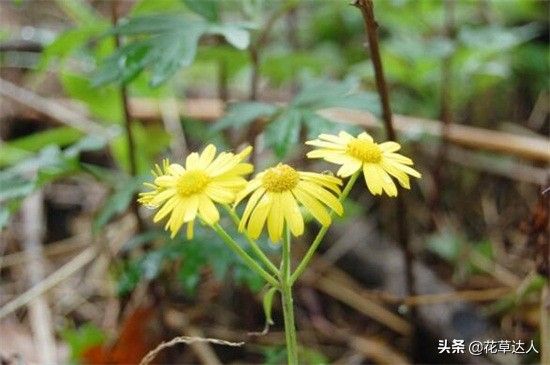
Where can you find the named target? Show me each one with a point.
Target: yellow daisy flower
(185, 192)
(378, 160)
(276, 193)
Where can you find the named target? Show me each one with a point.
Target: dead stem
(367, 10)
(127, 124)
(438, 174)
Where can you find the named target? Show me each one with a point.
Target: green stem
(230, 242)
(309, 254)
(257, 250)
(288, 305)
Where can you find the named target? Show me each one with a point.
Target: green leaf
(235, 34)
(283, 133)
(69, 42)
(320, 94)
(82, 338)
(242, 114)
(268, 304)
(209, 9)
(104, 103)
(167, 43)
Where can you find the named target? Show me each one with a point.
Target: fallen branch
(52, 108)
(51, 281)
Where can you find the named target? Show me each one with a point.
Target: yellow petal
(341, 159)
(162, 196)
(332, 138)
(390, 146)
(258, 216)
(387, 183)
(345, 136)
(349, 168)
(374, 182)
(190, 230)
(313, 206)
(327, 181)
(207, 210)
(220, 164)
(406, 169)
(365, 137)
(398, 158)
(176, 219)
(324, 196)
(321, 153)
(166, 208)
(292, 214)
(175, 169)
(395, 172)
(166, 181)
(191, 208)
(275, 220)
(325, 144)
(254, 198)
(207, 156)
(250, 187)
(219, 195)
(192, 161)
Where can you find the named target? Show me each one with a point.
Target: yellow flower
(378, 161)
(185, 192)
(275, 196)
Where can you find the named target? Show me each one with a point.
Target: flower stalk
(249, 261)
(319, 238)
(288, 303)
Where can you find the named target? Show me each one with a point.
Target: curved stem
(249, 261)
(257, 250)
(317, 241)
(288, 305)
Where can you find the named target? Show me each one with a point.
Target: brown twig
(367, 10)
(446, 115)
(186, 340)
(127, 124)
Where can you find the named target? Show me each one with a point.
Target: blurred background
(87, 108)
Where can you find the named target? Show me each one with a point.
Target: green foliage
(454, 248)
(267, 302)
(119, 201)
(104, 103)
(208, 9)
(23, 147)
(532, 285)
(287, 122)
(82, 338)
(30, 174)
(206, 249)
(166, 43)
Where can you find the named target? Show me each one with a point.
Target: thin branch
(366, 7)
(127, 124)
(438, 175)
(186, 340)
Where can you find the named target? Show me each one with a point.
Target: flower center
(280, 178)
(192, 182)
(365, 151)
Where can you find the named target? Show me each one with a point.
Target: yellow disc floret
(364, 150)
(280, 178)
(192, 182)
